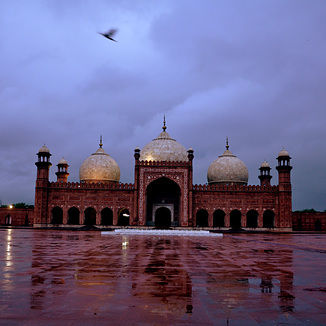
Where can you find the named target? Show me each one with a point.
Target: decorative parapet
(164, 163)
(91, 185)
(223, 187)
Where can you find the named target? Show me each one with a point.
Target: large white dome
(227, 169)
(99, 167)
(163, 148)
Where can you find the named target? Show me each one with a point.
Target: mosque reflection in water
(159, 276)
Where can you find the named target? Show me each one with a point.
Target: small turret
(43, 164)
(265, 176)
(62, 174)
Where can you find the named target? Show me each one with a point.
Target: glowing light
(125, 242)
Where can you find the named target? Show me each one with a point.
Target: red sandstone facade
(163, 194)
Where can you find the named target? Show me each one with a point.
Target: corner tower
(285, 190)
(41, 189)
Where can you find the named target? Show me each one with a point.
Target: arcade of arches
(90, 217)
(163, 217)
(235, 220)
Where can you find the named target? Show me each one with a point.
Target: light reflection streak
(8, 252)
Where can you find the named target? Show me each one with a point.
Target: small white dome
(44, 149)
(265, 165)
(227, 169)
(63, 161)
(283, 153)
(99, 167)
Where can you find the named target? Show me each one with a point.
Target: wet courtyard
(51, 277)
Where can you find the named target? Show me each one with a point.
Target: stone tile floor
(51, 277)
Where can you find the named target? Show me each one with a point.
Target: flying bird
(109, 34)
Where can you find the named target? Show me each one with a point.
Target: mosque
(163, 194)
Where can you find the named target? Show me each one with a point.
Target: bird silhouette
(109, 34)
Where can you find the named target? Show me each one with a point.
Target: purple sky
(254, 71)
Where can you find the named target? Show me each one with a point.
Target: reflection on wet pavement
(83, 278)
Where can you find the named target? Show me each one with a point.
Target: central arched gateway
(163, 203)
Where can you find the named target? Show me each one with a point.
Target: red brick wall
(306, 221)
(18, 216)
(97, 196)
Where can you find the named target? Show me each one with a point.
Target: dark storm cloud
(250, 70)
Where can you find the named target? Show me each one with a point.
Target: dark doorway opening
(106, 216)
(268, 219)
(90, 216)
(123, 217)
(163, 191)
(218, 218)
(317, 225)
(73, 215)
(202, 218)
(163, 218)
(252, 219)
(57, 215)
(235, 220)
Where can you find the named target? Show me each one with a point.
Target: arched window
(268, 219)
(90, 216)
(73, 216)
(8, 220)
(202, 218)
(218, 218)
(252, 219)
(235, 219)
(123, 217)
(57, 215)
(106, 216)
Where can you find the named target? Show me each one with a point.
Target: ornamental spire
(101, 144)
(164, 126)
(227, 143)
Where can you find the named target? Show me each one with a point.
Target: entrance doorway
(161, 193)
(163, 217)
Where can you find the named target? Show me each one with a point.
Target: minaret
(43, 165)
(62, 174)
(41, 190)
(285, 191)
(284, 168)
(265, 176)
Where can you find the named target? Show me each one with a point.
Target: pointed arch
(73, 215)
(219, 218)
(123, 217)
(202, 218)
(252, 219)
(90, 216)
(106, 216)
(56, 215)
(235, 219)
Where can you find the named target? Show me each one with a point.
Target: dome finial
(101, 144)
(164, 126)
(227, 143)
